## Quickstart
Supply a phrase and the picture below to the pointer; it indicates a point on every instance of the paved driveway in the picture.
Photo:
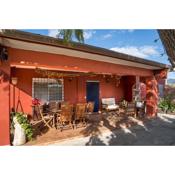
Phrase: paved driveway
(159, 131)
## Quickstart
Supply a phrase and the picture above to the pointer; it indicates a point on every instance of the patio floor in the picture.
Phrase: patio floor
(111, 130)
(97, 124)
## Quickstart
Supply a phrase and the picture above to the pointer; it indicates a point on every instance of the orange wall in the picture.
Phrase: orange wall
(4, 103)
(60, 61)
(107, 89)
(74, 90)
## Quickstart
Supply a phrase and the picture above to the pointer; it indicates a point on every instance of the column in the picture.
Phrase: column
(5, 103)
(151, 97)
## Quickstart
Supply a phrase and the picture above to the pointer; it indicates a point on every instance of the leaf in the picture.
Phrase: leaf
(69, 34)
(22, 120)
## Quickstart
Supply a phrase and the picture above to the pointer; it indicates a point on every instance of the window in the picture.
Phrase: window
(47, 89)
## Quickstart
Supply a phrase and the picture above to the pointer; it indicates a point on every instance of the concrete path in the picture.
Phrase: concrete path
(159, 131)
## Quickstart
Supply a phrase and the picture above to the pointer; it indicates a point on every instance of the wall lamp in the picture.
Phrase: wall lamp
(14, 80)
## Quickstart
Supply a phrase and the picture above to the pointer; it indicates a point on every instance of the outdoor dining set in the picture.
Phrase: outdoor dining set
(61, 115)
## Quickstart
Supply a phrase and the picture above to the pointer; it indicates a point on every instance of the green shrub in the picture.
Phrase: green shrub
(22, 120)
(166, 104)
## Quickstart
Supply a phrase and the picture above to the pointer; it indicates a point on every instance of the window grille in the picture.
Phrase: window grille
(46, 89)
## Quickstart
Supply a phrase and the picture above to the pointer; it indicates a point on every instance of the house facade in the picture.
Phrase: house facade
(42, 67)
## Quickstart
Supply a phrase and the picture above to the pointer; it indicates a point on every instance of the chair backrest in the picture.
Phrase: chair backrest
(39, 111)
(131, 105)
(53, 106)
(108, 101)
(90, 107)
(80, 110)
(66, 112)
(63, 103)
(123, 103)
(130, 109)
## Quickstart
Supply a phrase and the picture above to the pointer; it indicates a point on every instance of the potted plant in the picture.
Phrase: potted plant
(23, 130)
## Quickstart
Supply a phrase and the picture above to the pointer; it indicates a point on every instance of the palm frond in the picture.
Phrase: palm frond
(79, 35)
(69, 34)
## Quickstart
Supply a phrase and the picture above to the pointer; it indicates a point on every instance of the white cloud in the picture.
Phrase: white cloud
(123, 31)
(149, 50)
(143, 52)
(171, 75)
(53, 32)
(130, 30)
(88, 34)
(107, 36)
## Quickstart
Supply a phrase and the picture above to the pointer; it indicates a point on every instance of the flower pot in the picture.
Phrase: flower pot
(19, 134)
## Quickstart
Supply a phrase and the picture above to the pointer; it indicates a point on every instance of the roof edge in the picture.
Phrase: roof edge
(47, 40)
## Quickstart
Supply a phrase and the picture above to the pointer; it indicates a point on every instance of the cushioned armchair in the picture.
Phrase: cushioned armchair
(109, 104)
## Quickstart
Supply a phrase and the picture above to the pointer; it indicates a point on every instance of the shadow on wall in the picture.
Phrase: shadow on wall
(4, 78)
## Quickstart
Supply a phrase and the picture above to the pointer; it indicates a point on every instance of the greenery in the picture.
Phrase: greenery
(12, 129)
(22, 120)
(69, 34)
(166, 104)
(124, 103)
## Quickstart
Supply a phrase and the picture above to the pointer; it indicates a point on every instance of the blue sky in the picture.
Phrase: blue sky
(134, 42)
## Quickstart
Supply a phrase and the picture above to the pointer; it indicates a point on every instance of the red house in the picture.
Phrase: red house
(40, 66)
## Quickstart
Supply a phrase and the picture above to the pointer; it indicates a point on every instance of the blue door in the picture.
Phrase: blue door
(92, 94)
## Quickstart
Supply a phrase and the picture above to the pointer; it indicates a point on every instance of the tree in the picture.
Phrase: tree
(69, 34)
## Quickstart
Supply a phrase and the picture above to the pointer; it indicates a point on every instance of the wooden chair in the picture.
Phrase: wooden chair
(130, 110)
(44, 117)
(65, 116)
(123, 104)
(80, 113)
(53, 107)
(90, 107)
(53, 110)
(64, 103)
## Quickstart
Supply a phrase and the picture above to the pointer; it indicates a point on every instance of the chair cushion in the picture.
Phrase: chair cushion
(139, 104)
(108, 101)
(112, 107)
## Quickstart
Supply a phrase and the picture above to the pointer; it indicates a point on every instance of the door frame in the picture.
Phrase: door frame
(94, 81)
